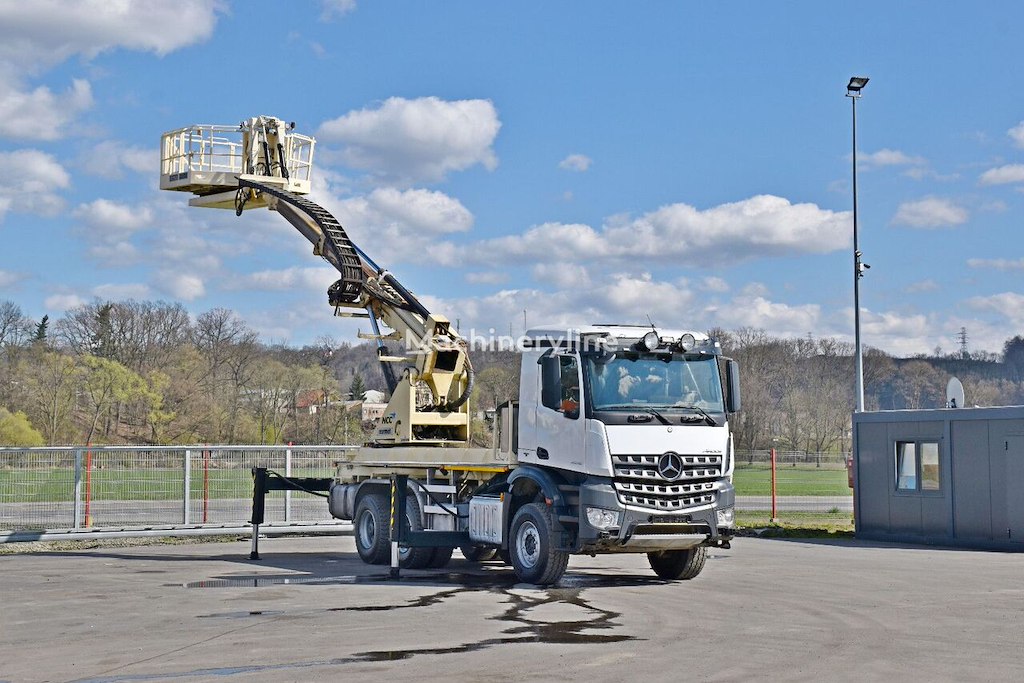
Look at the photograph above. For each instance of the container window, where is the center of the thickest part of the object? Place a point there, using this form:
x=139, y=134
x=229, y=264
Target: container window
x=929, y=466
x=906, y=466
x=917, y=466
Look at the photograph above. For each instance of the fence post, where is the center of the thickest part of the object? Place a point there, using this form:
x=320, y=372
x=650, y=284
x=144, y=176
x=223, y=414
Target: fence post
x=288, y=473
x=186, y=494
x=78, y=488
x=774, y=511
x=88, y=485
x=206, y=485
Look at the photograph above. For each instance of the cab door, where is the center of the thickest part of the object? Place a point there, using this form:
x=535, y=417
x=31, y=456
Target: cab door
x=560, y=422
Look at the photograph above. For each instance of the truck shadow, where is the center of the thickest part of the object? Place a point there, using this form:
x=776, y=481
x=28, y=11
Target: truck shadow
x=341, y=568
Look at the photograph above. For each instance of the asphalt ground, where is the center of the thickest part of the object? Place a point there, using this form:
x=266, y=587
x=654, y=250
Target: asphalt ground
x=769, y=609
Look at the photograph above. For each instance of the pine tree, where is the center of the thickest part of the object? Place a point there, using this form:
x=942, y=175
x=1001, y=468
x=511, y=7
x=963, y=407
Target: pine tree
x=357, y=389
x=41, y=330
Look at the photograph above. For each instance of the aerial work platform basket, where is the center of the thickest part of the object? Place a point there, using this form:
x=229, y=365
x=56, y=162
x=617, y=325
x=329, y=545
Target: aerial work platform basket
x=209, y=160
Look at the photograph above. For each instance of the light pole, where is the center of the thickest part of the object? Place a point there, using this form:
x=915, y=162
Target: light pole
x=853, y=91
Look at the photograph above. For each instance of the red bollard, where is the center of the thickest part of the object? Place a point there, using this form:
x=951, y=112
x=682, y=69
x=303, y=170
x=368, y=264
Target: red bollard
x=774, y=511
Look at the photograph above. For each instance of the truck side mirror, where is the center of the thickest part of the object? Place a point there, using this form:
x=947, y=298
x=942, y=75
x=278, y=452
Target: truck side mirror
x=732, y=386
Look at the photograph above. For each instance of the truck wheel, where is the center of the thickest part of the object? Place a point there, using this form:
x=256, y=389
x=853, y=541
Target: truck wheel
x=678, y=564
x=414, y=558
x=477, y=553
x=371, y=523
x=534, y=556
x=373, y=532
x=442, y=556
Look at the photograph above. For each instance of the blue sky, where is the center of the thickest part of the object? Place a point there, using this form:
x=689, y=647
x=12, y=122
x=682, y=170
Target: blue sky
x=581, y=161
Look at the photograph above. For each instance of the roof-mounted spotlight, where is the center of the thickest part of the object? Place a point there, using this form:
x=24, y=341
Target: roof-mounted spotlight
x=650, y=341
x=686, y=342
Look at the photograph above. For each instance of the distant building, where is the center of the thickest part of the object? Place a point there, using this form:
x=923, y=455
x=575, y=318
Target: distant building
x=372, y=411
x=310, y=400
x=373, y=396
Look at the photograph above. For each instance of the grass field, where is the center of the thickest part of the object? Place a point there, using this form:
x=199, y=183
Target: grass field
x=57, y=484
x=791, y=481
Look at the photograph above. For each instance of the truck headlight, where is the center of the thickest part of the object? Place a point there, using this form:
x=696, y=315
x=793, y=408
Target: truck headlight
x=600, y=518
x=726, y=517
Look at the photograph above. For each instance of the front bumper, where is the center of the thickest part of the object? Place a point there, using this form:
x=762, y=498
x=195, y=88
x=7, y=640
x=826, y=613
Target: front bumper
x=645, y=530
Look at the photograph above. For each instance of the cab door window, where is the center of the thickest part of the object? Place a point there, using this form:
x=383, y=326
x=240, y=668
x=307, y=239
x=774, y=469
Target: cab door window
x=560, y=384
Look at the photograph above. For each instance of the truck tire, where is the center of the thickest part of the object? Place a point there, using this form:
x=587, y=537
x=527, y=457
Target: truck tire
x=478, y=553
x=534, y=556
x=442, y=556
x=672, y=565
x=415, y=558
x=371, y=526
x=373, y=532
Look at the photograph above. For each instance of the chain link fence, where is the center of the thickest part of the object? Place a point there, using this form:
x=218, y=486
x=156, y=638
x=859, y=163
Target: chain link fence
x=119, y=487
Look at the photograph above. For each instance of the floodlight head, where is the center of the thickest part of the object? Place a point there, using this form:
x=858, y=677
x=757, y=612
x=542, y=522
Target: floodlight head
x=650, y=341
x=856, y=84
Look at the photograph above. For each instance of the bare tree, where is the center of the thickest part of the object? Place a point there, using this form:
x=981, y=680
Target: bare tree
x=15, y=326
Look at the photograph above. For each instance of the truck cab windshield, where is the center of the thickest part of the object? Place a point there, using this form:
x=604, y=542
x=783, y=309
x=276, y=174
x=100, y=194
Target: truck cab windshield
x=636, y=381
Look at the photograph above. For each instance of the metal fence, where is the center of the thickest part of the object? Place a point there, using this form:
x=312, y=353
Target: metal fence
x=203, y=488
x=799, y=487
x=115, y=487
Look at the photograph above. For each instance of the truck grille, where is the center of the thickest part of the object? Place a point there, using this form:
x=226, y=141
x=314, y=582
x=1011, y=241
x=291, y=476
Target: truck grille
x=638, y=481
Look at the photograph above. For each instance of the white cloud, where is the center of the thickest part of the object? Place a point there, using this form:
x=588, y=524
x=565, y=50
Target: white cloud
x=714, y=284
x=119, y=292
x=183, y=286
x=408, y=221
x=889, y=157
x=406, y=141
x=930, y=212
x=761, y=313
x=762, y=226
x=287, y=279
x=105, y=215
x=9, y=279
x=63, y=302
x=491, y=277
x=107, y=228
x=1001, y=175
x=42, y=33
x=37, y=35
x=111, y=158
x=1017, y=134
x=1010, y=305
x=335, y=9
x=575, y=162
x=563, y=275
x=410, y=212
x=620, y=298
x=996, y=263
x=898, y=333
x=922, y=286
x=40, y=114
x=28, y=178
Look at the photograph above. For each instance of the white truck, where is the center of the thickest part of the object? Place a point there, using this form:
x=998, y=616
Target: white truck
x=619, y=440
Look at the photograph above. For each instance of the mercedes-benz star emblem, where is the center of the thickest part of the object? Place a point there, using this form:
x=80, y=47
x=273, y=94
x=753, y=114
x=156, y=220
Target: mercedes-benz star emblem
x=670, y=465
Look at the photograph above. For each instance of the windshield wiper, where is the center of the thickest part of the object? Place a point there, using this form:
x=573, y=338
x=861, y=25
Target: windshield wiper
x=641, y=409
x=703, y=413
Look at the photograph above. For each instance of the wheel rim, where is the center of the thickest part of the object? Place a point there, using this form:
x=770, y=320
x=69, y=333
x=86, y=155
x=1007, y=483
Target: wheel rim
x=528, y=544
x=367, y=531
